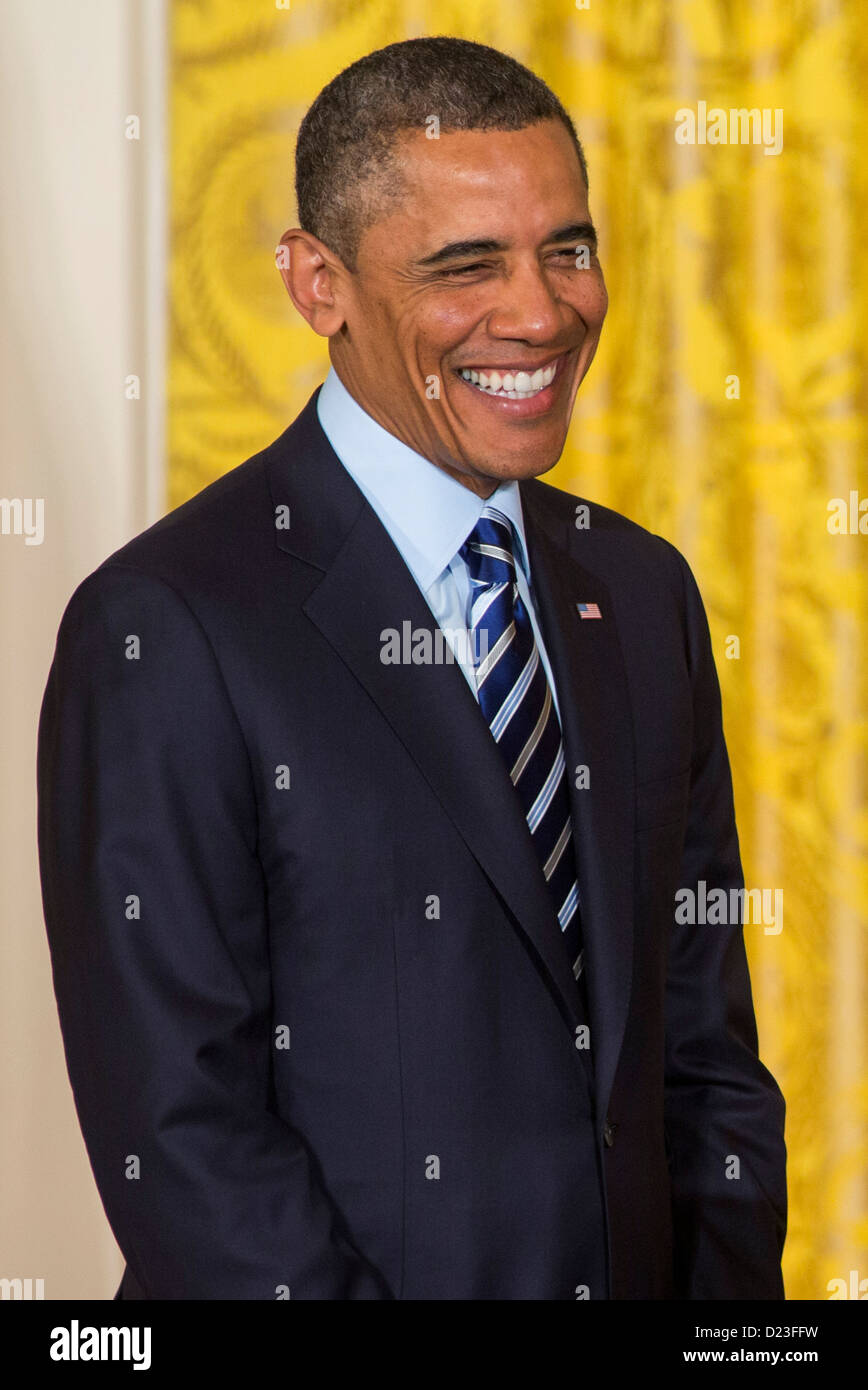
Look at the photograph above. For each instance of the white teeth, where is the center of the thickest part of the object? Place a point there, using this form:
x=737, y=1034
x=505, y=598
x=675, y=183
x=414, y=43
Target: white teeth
x=517, y=386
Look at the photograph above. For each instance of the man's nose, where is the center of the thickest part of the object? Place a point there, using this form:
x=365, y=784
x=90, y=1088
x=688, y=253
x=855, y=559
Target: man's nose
x=527, y=307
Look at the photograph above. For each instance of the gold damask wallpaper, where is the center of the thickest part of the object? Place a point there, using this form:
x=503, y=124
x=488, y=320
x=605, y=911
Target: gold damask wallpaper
x=726, y=409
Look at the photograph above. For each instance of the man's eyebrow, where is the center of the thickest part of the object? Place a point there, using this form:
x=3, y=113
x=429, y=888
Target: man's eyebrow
x=455, y=250
x=575, y=231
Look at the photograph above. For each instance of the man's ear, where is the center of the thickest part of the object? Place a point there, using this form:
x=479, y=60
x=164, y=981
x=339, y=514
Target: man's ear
x=312, y=275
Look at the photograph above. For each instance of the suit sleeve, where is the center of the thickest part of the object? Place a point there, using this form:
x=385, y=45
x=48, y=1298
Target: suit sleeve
x=724, y=1111
x=157, y=921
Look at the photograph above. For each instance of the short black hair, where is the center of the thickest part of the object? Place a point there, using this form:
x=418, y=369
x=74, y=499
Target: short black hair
x=345, y=166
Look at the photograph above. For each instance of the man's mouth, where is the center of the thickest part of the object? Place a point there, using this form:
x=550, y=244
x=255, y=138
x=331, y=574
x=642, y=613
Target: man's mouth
x=517, y=383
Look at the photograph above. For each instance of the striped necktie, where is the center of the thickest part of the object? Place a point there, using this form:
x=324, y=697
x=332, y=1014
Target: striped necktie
x=515, y=698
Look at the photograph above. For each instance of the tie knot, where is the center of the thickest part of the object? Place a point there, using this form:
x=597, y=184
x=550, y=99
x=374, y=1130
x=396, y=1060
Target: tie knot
x=488, y=551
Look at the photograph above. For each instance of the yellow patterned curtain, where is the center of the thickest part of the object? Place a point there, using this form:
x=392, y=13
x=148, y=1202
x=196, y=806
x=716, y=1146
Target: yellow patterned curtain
x=726, y=409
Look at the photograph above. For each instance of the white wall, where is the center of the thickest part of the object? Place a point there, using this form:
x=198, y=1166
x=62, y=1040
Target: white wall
x=82, y=287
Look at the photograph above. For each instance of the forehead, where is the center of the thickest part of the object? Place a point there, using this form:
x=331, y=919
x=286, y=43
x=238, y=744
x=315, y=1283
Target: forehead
x=486, y=182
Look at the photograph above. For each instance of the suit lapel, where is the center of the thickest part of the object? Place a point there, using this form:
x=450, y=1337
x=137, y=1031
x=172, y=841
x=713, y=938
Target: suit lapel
x=366, y=589
x=598, y=735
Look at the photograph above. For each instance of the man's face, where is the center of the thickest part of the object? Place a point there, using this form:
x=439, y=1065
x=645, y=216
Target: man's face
x=475, y=271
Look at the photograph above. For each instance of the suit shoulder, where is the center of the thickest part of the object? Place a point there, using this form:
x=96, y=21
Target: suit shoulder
x=214, y=515
x=605, y=532
x=199, y=547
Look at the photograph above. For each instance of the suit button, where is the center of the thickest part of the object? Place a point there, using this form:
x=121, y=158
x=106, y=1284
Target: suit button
x=609, y=1134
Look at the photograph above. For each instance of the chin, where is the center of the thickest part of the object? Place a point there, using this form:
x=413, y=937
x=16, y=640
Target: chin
x=518, y=470
x=532, y=465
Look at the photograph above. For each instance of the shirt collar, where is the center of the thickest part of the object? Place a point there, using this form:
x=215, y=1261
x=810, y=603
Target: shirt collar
x=428, y=513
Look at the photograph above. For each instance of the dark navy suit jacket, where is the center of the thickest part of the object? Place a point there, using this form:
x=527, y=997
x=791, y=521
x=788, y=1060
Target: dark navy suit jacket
x=318, y=1018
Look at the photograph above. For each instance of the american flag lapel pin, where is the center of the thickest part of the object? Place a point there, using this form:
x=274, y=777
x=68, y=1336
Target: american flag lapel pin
x=588, y=610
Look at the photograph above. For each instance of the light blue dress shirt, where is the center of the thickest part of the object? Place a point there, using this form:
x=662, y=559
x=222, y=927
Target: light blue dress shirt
x=427, y=513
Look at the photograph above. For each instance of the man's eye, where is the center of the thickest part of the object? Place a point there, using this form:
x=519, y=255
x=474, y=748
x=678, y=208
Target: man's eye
x=584, y=250
x=465, y=269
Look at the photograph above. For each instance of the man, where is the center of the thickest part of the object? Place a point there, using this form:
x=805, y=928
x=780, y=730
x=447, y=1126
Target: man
x=363, y=934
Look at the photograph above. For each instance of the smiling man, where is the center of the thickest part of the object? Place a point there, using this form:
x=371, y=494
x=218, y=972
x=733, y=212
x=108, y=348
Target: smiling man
x=368, y=968
x=477, y=211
